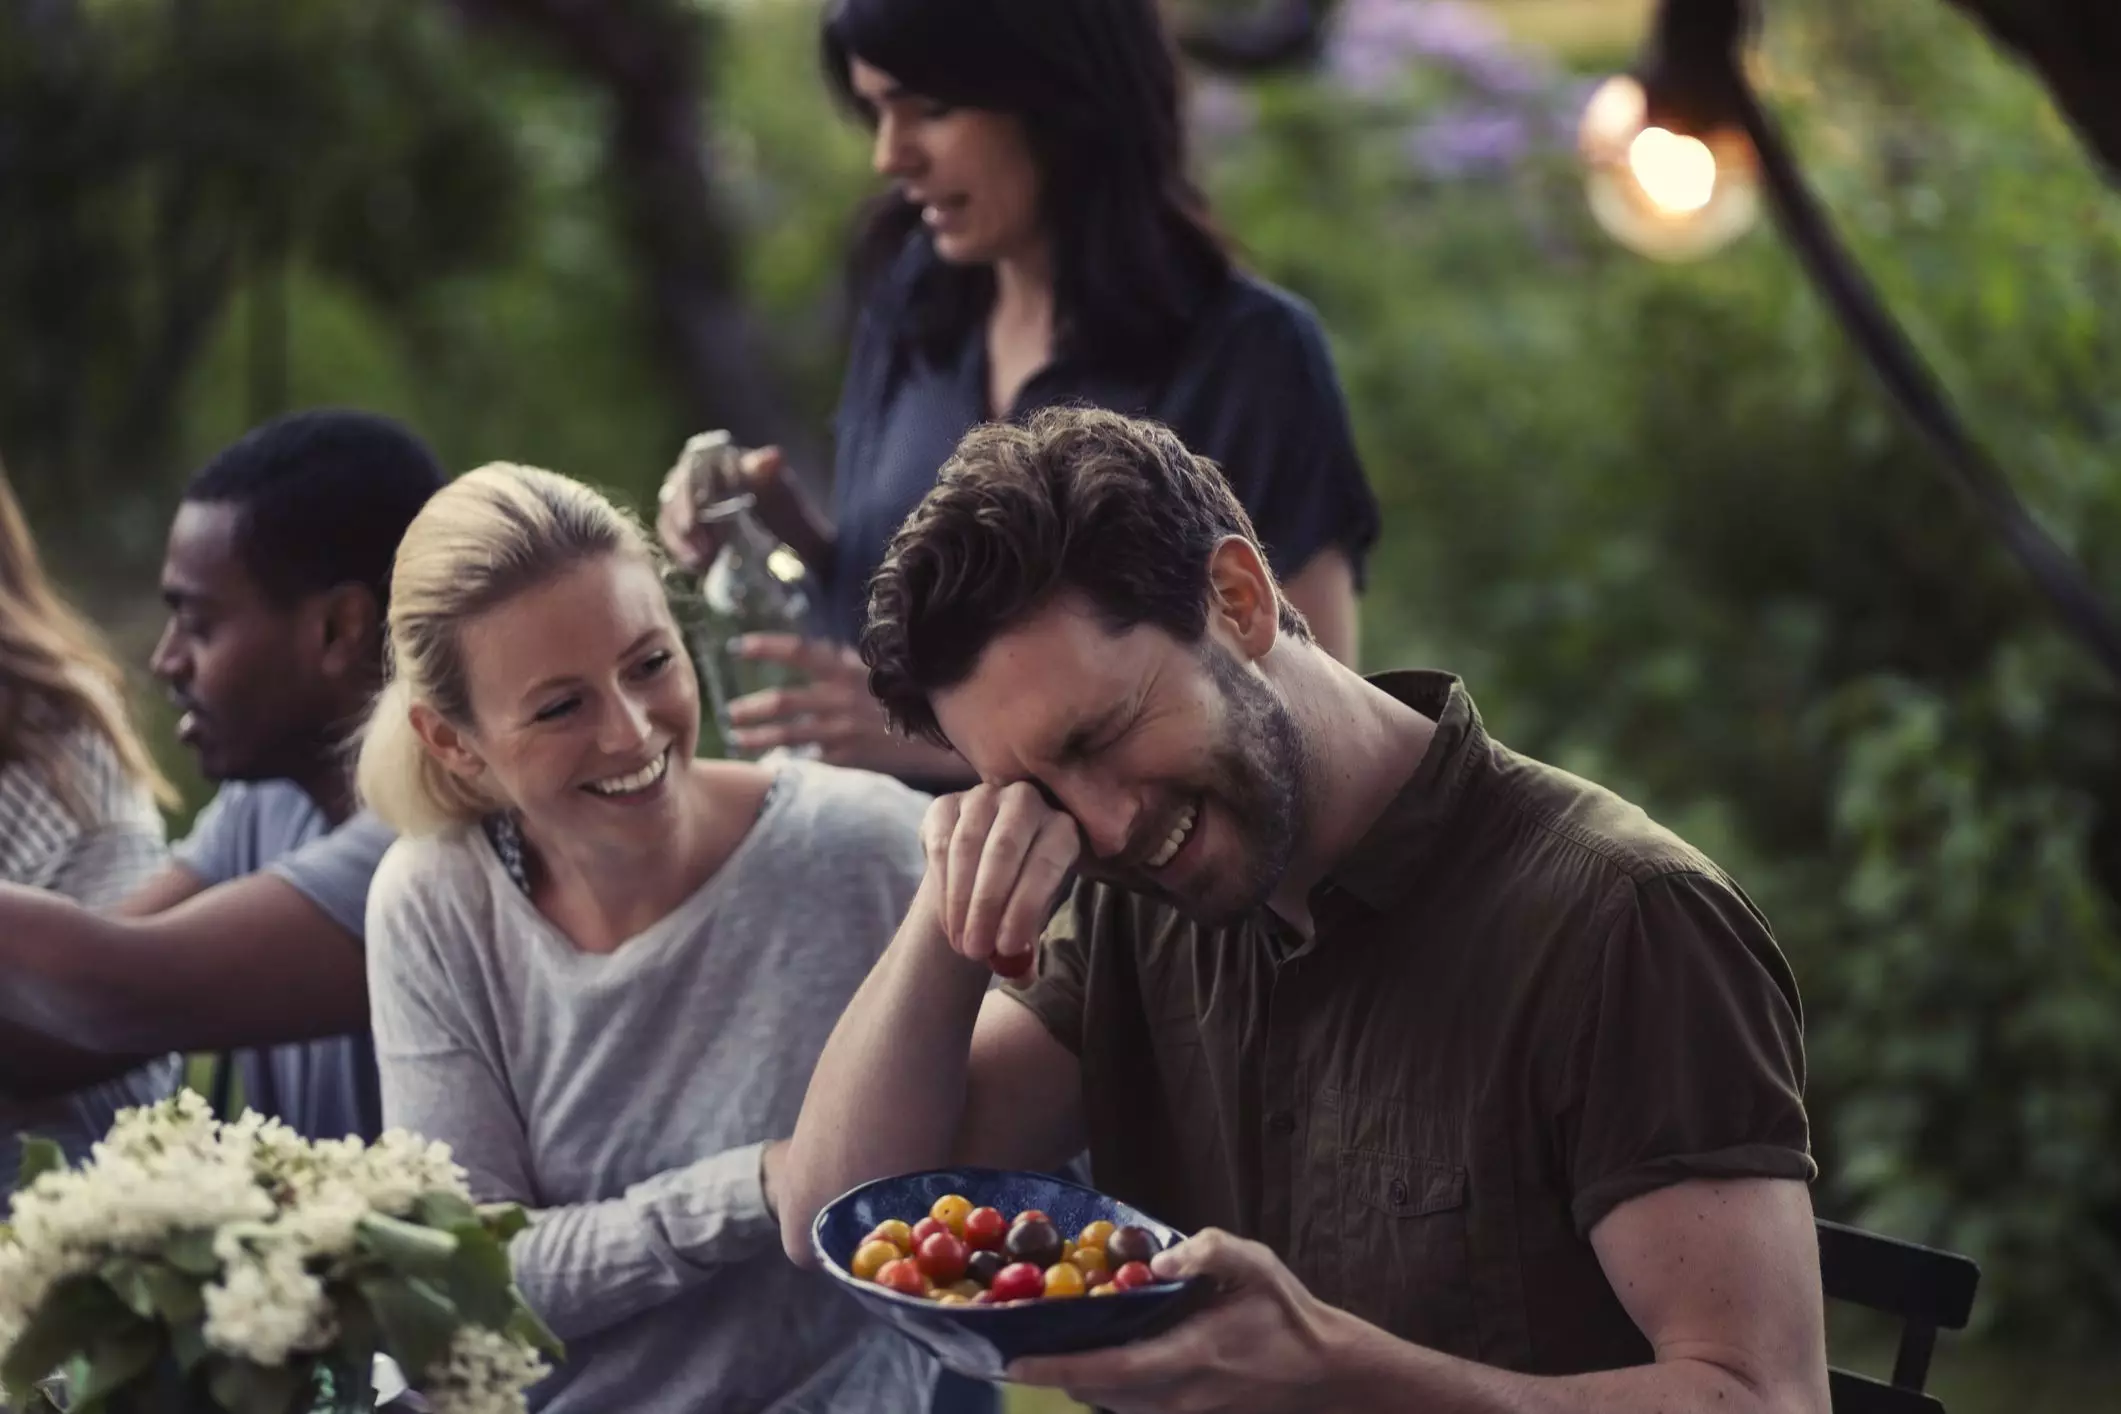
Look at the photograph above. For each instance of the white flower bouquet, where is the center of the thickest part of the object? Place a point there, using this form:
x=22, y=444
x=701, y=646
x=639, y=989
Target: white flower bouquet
x=191, y=1265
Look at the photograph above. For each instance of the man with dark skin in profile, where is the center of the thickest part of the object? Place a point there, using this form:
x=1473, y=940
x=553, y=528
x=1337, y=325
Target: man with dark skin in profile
x=277, y=580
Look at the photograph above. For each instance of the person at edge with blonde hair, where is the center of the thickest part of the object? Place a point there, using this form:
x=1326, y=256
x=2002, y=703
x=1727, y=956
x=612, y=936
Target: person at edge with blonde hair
x=601, y=970
x=78, y=792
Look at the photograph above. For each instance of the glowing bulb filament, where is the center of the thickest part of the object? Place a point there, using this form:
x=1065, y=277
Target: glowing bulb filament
x=1676, y=172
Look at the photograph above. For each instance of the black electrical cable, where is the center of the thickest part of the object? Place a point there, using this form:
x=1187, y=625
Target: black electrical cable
x=1910, y=382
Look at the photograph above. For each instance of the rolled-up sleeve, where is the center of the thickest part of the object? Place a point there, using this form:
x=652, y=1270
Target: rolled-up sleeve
x=1688, y=1060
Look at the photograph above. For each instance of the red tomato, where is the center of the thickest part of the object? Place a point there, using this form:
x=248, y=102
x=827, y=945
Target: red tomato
x=984, y=1228
x=1030, y=1213
x=943, y=1257
x=1011, y=965
x=925, y=1229
x=902, y=1276
x=1019, y=1281
x=1132, y=1275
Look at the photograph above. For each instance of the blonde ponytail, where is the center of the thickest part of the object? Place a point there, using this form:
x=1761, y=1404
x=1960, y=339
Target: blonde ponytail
x=486, y=537
x=400, y=779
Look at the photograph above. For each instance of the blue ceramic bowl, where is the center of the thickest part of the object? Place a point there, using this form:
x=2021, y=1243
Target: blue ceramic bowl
x=980, y=1341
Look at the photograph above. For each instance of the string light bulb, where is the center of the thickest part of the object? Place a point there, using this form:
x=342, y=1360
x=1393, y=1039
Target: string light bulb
x=1666, y=171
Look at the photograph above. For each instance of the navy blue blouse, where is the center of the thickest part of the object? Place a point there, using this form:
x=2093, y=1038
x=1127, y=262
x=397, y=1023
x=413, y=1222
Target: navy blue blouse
x=1253, y=388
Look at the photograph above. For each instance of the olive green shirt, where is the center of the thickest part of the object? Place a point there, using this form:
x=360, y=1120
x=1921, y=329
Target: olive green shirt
x=1524, y=1004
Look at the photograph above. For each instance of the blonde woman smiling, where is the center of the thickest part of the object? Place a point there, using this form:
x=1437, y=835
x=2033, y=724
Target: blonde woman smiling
x=602, y=970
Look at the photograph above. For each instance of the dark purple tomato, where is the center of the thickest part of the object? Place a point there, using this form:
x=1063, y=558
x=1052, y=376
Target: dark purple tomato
x=1130, y=1244
x=1034, y=1240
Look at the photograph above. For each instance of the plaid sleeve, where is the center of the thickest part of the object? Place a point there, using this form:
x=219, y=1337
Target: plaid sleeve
x=96, y=841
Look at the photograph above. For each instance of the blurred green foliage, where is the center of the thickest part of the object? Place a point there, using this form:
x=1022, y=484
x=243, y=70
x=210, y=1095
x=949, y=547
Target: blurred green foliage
x=1658, y=516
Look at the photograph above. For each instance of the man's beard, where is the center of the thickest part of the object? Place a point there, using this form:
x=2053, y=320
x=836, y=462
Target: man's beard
x=1260, y=778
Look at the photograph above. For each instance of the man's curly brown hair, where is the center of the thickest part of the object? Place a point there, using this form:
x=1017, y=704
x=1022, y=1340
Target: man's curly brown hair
x=1078, y=500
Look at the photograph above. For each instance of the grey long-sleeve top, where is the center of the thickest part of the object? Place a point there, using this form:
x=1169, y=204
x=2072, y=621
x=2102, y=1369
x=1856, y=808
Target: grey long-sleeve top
x=626, y=1097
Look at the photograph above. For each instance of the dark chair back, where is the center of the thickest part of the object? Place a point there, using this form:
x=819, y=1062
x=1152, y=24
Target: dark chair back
x=1927, y=1290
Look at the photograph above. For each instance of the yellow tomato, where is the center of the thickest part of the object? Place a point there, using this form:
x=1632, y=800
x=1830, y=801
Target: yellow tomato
x=950, y=1211
x=1064, y=1279
x=1090, y=1259
x=869, y=1258
x=896, y=1233
x=1095, y=1235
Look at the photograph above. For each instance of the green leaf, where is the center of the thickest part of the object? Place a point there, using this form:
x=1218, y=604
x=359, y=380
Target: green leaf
x=418, y=1321
x=117, y=1359
x=444, y=1210
x=243, y=1388
x=527, y=1326
x=480, y=1281
x=127, y=1279
x=72, y=1316
x=39, y=1157
x=188, y=1344
x=358, y=1331
x=179, y=1300
x=192, y=1252
x=410, y=1249
x=504, y=1220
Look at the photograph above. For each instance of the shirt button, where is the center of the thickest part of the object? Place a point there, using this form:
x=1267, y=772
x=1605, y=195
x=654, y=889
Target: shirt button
x=1281, y=1122
x=1398, y=1193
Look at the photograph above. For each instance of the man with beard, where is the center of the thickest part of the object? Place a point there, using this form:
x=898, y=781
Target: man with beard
x=1479, y=1090
x=277, y=577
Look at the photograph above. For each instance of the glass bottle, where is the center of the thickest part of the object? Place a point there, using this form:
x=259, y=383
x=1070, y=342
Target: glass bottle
x=755, y=584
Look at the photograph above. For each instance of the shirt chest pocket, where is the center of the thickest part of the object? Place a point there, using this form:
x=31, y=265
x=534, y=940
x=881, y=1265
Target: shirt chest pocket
x=1406, y=1260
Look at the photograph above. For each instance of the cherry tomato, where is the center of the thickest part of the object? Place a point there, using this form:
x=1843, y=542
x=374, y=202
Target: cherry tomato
x=1018, y=1282
x=1095, y=1277
x=1034, y=1240
x=1132, y=1275
x=925, y=1229
x=984, y=1228
x=1130, y=1244
x=951, y=1298
x=1064, y=1279
x=902, y=1276
x=950, y=1210
x=985, y=1298
x=1092, y=1260
x=943, y=1257
x=967, y=1288
x=869, y=1258
x=1104, y=1288
x=894, y=1232
x=981, y=1266
x=1067, y=1249
x=1029, y=1213
x=1011, y=965
x=1095, y=1235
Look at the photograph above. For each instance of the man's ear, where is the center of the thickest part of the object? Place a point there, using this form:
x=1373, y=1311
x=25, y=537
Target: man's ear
x=1244, y=607
x=349, y=625
x=447, y=742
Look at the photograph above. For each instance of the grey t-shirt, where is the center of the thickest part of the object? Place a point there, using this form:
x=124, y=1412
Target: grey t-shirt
x=626, y=1097
x=322, y=1089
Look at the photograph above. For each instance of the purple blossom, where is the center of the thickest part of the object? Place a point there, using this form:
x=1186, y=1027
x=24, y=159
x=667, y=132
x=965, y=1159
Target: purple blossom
x=1375, y=42
x=1468, y=141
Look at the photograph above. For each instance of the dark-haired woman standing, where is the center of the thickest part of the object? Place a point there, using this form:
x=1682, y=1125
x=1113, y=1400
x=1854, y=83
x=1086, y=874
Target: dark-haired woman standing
x=1041, y=244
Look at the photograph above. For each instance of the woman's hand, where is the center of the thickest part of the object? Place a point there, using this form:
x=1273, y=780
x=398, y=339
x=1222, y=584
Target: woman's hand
x=700, y=478
x=833, y=712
